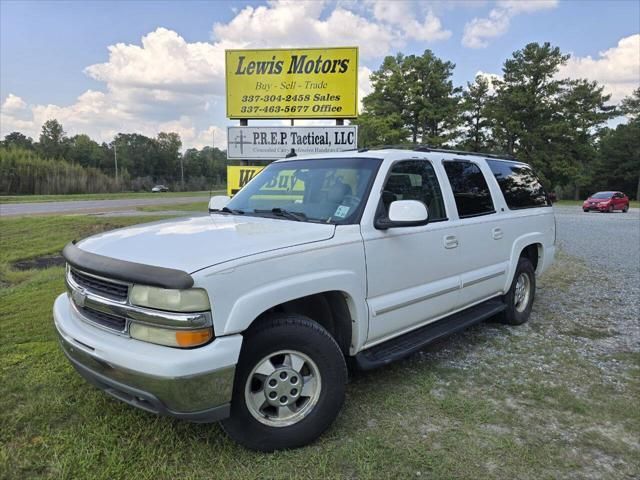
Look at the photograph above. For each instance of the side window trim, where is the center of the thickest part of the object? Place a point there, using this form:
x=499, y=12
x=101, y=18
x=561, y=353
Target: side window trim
x=493, y=200
x=438, y=179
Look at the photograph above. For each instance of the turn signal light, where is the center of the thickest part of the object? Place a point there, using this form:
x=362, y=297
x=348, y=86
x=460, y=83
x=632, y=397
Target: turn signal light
x=193, y=338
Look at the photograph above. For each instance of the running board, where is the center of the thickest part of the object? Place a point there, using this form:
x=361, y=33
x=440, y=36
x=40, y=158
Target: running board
x=408, y=343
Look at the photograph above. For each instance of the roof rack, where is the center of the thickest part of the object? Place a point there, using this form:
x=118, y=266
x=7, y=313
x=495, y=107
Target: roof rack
x=418, y=147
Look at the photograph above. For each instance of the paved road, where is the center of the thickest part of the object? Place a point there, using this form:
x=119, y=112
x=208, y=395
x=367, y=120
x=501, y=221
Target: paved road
x=91, y=206
x=610, y=241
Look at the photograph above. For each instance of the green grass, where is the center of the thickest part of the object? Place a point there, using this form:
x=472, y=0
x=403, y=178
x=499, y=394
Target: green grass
x=98, y=196
x=195, y=207
x=482, y=404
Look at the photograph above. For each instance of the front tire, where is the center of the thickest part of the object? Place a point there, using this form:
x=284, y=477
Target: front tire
x=625, y=209
x=610, y=209
x=289, y=384
x=519, y=299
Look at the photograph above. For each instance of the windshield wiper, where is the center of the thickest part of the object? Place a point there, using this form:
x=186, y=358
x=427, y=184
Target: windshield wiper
x=281, y=212
x=228, y=210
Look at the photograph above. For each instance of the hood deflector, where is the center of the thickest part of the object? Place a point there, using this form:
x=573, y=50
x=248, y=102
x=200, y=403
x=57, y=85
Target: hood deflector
x=126, y=271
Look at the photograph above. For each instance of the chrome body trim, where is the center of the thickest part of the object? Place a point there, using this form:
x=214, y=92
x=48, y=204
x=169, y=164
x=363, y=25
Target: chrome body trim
x=438, y=293
x=483, y=278
x=81, y=297
x=416, y=300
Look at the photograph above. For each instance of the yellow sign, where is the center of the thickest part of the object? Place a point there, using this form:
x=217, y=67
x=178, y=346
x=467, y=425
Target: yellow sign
x=292, y=83
x=238, y=177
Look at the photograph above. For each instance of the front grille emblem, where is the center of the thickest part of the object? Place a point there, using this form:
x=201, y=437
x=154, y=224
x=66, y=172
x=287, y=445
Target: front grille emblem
x=79, y=297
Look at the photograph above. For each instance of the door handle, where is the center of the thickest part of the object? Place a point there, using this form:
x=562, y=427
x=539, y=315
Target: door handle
x=450, y=241
x=496, y=233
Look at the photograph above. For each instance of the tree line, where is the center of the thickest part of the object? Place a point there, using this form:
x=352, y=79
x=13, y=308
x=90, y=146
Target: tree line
x=557, y=125
x=141, y=161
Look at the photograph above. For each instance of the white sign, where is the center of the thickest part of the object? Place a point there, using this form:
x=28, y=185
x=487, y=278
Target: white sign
x=266, y=143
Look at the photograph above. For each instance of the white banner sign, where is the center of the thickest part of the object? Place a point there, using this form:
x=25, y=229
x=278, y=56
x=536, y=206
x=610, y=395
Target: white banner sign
x=267, y=143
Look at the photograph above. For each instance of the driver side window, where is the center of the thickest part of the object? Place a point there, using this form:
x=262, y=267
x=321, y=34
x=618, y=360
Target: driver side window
x=414, y=180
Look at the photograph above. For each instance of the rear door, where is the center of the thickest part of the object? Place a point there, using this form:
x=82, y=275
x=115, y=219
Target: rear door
x=479, y=232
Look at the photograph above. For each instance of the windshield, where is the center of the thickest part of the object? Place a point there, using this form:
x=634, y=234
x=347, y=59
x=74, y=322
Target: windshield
x=328, y=190
x=602, y=195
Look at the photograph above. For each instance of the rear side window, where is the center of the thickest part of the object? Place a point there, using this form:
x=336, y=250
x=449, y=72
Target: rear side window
x=470, y=188
x=520, y=186
x=415, y=180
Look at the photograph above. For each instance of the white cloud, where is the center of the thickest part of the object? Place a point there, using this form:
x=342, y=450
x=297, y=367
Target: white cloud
x=402, y=16
x=164, y=62
x=617, y=68
x=364, y=84
x=285, y=23
x=491, y=79
x=478, y=31
x=13, y=104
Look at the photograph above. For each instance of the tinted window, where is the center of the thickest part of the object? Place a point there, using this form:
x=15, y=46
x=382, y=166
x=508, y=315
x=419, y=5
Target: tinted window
x=470, y=189
x=414, y=180
x=520, y=186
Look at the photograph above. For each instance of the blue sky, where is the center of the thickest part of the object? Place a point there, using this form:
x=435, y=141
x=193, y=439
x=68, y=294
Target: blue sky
x=55, y=58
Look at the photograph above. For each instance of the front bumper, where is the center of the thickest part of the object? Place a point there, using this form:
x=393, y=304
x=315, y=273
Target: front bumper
x=598, y=208
x=194, y=384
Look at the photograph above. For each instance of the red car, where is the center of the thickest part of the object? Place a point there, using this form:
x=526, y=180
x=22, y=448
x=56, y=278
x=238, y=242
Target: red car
x=606, y=202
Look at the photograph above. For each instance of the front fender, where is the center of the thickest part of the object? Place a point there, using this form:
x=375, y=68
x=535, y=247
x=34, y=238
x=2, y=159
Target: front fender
x=243, y=291
x=251, y=304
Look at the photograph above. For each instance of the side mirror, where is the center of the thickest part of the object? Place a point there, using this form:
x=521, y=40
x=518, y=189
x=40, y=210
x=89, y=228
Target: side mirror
x=218, y=202
x=404, y=213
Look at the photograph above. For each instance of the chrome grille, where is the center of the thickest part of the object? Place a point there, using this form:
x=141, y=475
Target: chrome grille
x=100, y=286
x=105, y=319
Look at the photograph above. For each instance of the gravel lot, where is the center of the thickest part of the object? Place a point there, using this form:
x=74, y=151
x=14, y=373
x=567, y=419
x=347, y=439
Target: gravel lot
x=610, y=241
x=569, y=377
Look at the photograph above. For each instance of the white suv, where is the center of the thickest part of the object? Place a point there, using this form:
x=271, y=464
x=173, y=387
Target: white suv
x=250, y=315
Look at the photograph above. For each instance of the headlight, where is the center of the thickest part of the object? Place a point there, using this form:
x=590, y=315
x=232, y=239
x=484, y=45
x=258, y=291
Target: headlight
x=191, y=300
x=169, y=337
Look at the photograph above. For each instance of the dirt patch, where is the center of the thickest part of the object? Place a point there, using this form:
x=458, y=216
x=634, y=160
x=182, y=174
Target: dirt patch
x=39, y=263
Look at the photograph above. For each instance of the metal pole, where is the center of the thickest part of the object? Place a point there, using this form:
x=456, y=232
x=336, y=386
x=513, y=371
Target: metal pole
x=115, y=155
x=182, y=172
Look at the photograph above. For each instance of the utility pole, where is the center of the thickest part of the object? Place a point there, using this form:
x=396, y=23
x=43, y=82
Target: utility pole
x=115, y=156
x=182, y=171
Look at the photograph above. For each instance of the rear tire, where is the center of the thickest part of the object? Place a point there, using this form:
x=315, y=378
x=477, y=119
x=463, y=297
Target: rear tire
x=585, y=210
x=519, y=299
x=289, y=384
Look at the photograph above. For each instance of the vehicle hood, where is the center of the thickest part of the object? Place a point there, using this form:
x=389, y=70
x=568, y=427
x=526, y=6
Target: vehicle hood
x=190, y=244
x=597, y=200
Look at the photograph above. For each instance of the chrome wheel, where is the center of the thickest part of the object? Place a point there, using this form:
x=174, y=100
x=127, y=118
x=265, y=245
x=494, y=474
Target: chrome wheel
x=522, y=292
x=283, y=388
